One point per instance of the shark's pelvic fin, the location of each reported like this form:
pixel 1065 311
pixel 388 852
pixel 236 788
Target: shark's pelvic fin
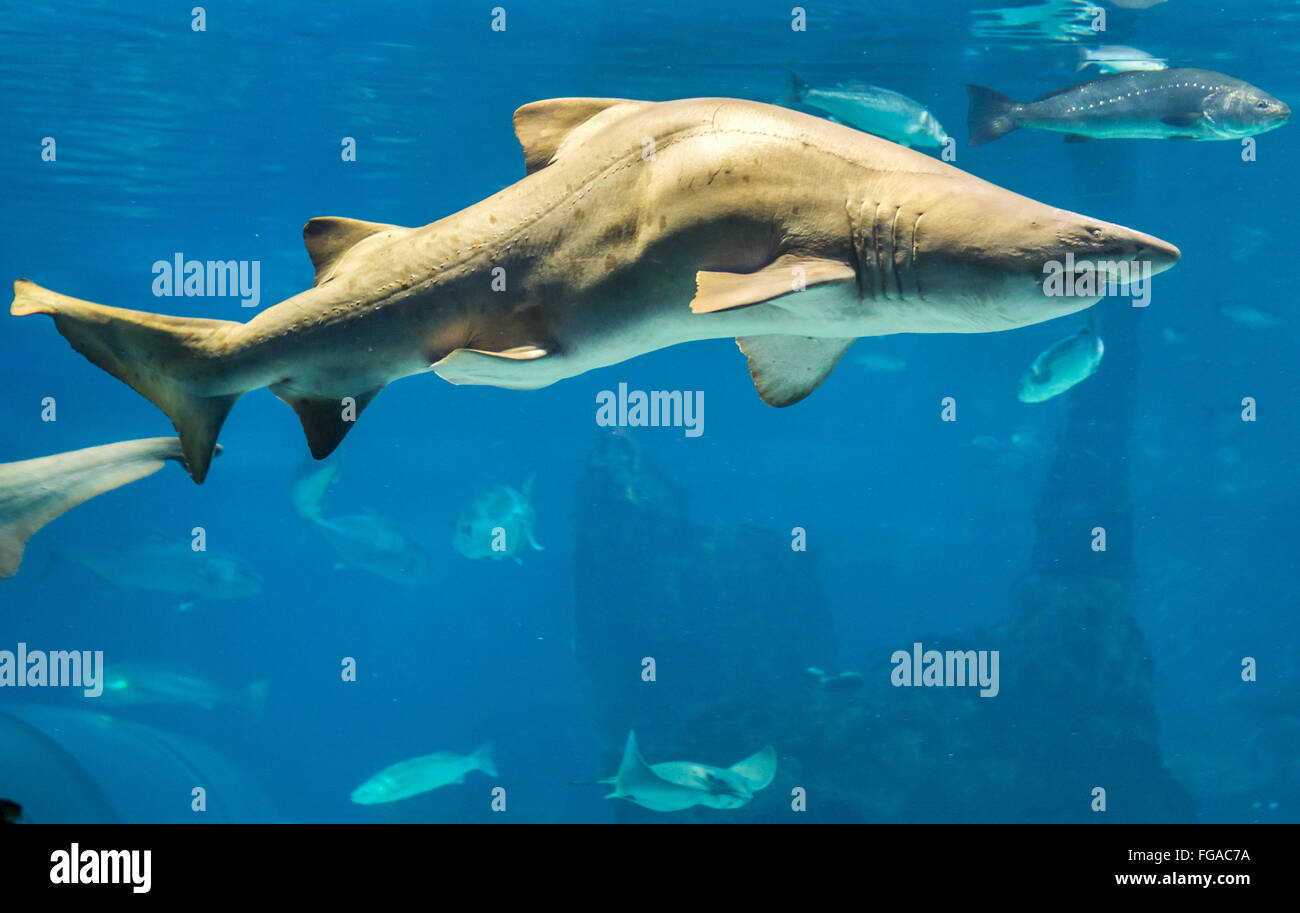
pixel 785 369
pixel 330 237
pixel 715 291
pixel 325 420
pixel 154 353
pixel 542 127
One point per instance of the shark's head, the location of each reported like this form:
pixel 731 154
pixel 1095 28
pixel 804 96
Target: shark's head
pixel 1244 110
pixel 981 259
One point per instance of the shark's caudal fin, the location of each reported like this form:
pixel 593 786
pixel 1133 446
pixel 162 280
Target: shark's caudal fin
pixel 486 763
pixel 991 115
pixel 155 353
pixel 35 492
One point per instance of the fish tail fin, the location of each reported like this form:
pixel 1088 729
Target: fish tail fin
pixel 991 115
pixel 1085 59
pixel 486 763
pixel 255 695
pixel 311 488
pixel 159 356
pixel 795 90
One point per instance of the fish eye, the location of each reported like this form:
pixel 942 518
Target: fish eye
pixel 1095 232
pixel 1262 105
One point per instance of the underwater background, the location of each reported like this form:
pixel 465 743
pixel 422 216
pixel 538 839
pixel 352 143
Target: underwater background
pixel 1120 669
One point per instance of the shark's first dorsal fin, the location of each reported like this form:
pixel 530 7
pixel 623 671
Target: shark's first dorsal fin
pixel 330 237
pixel 542 126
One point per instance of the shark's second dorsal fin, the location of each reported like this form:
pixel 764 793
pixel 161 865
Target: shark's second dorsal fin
pixel 330 237
pixel 542 126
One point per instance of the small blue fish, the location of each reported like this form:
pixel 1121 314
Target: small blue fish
pixel 1062 366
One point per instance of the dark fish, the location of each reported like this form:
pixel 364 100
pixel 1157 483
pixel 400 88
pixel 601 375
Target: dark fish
pixel 1182 103
pixel 10 811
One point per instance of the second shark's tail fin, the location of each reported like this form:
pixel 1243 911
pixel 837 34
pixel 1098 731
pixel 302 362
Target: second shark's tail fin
pixel 991 115
pixel 795 90
pixel 486 763
pixel 312 486
pixel 159 356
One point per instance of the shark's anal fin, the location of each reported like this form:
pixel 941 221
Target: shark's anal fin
pixel 328 238
pixel 325 420
pixel 717 291
pixel 511 368
pixel 785 369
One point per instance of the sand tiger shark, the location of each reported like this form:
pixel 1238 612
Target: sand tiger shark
pixel 639 225
pixel 35 492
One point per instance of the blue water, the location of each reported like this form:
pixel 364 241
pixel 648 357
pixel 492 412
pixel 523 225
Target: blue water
pixel 221 144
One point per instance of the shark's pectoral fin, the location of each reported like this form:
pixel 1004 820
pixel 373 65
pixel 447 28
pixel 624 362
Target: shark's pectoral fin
pixel 542 127
pixel 1185 119
pixel 326 420
pixel 330 237
pixel 513 369
pixel 759 769
pixel 716 291
pixel 785 369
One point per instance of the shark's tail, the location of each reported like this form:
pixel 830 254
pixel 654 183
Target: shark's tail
pixel 991 115
pixel 165 359
pixel 312 487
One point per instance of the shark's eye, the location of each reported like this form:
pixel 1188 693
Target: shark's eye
pixel 1095 232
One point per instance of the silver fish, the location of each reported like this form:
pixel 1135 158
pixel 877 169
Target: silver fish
pixel 421 775
pixel 1063 365
pixel 366 541
pixel 871 109
pixel 497 524
pixel 1182 103
pixel 1117 58
pixel 135 685
pixel 168 567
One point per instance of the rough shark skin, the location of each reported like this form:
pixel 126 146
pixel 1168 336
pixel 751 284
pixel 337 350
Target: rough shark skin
pixel 35 492
pixel 640 225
